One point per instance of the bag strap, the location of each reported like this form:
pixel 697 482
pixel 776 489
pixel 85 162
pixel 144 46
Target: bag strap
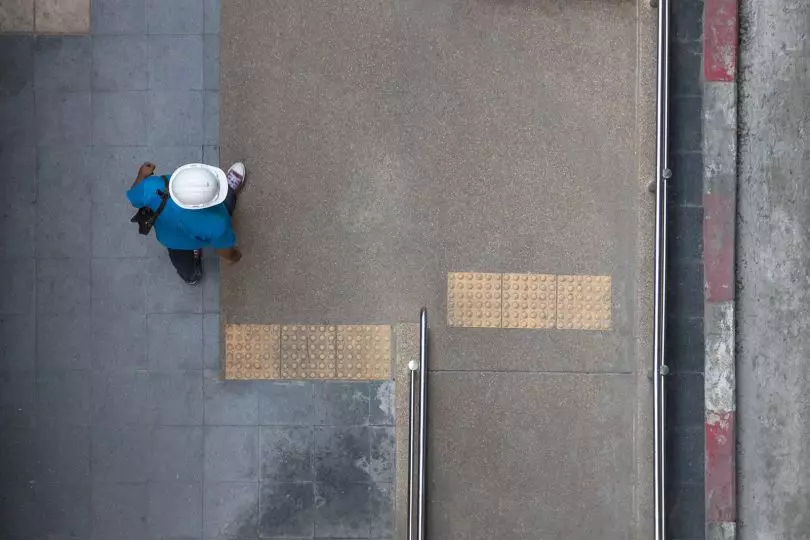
pixel 164 197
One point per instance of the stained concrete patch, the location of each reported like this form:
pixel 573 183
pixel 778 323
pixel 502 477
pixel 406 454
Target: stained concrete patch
pixel 251 351
pixel 474 299
pixel 529 301
pixel 584 302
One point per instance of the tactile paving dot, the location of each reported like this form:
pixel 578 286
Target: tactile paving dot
pixel 474 300
pixel 584 302
pixel 307 352
pixel 251 351
pixel 529 301
pixel 363 352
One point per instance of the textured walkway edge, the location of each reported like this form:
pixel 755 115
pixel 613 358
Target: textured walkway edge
pixel 720 51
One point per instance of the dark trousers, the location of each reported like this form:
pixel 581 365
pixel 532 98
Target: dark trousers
pixel 187 265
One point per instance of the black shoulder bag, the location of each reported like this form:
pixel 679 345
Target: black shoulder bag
pixel 146 217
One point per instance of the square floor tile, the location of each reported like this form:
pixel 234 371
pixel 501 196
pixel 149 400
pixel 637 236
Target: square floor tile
pixel 176 118
pixel 342 454
pixel 112 233
pixel 382 453
pixel 231 510
pixel 64 173
pixel 17 16
pixel 62 454
pixel 166 291
pixel 64 341
pixel 211 331
pixel 17 392
pixel 381 510
pixel 211 61
pixel 18 118
pixel 17 342
pixel 341 404
pixel 120 118
pixel 119 16
pixel 211 117
pixel 342 511
pixel 286 510
pixel 121 453
pixel 18 226
pixel 63 118
pixel 18 517
pixel 118 285
pixel 176 398
pixel 16 59
pixel 175 509
pixel 63 63
pixel 62 16
pixel 382 403
pixel 285 403
pixel 175 342
pixel 174 16
pixel 286 453
pixel 64 398
pixel 177 454
pixel 18 278
pixel 63 286
pixel 120 511
pixel 62 510
pixel 251 351
pixel 230 403
pixel 114 169
pixel 175 62
pixel 121 398
pixel 231 454
pixel 19 185
pixel 211 11
pixel 62 229
pixel 17 446
pixel 119 341
pixel 119 63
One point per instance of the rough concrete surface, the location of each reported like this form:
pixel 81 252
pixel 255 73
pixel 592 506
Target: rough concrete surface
pixel 773 258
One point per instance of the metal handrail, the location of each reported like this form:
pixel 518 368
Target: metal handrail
pixel 416 501
pixel 663 174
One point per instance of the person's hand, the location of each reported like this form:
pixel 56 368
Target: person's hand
pixel 235 257
pixel 146 170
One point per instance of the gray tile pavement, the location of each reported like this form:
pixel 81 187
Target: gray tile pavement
pixel 114 422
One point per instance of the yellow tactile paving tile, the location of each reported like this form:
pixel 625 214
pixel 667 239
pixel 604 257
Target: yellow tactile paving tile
pixel 363 352
pixel 474 300
pixel 584 302
pixel 529 301
pixel 307 352
pixel 251 351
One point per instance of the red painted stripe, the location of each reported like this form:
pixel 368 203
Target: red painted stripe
pixel 718 247
pixel 720 41
pixel 721 504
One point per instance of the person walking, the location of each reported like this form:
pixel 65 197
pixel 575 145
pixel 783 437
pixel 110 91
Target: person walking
pixel 189 210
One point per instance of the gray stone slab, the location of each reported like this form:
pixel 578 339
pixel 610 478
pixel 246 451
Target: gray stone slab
pixel 113 235
pixel 175 62
pixel 342 511
pixel 114 169
pixel 382 454
pixel 211 9
pixel 64 172
pixel 555 446
pixel 120 511
pixel 382 404
pixel 286 403
pixel 121 398
pixel 176 398
pixel 231 454
pixel 118 341
pixel 342 455
pixel 211 329
pixel 62 229
pixel 231 510
pixel 286 510
pixel 341 403
pixel 62 510
pixel 175 342
pixel 165 290
pixel 211 59
pixel 175 118
pixel 286 453
pixel 19 185
pixel 120 118
pixel 62 454
pixel 64 398
pixel 63 341
pixel 381 510
pixel 18 121
pixel 17 403
pixel 120 453
pixel 16 62
pixel 177 454
pixel 120 63
pixel 63 286
pixel 63 63
pixel 174 16
pixel 17 342
pixel 18 231
pixel 175 509
pixel 118 285
pixel 63 118
pixel 211 117
pixel 118 17
pixel 19 279
pixel 16 450
pixel 230 403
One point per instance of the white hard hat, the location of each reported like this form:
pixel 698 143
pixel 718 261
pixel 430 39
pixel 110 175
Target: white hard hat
pixel 195 186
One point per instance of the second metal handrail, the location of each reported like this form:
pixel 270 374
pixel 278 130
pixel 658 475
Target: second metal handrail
pixel 417 453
